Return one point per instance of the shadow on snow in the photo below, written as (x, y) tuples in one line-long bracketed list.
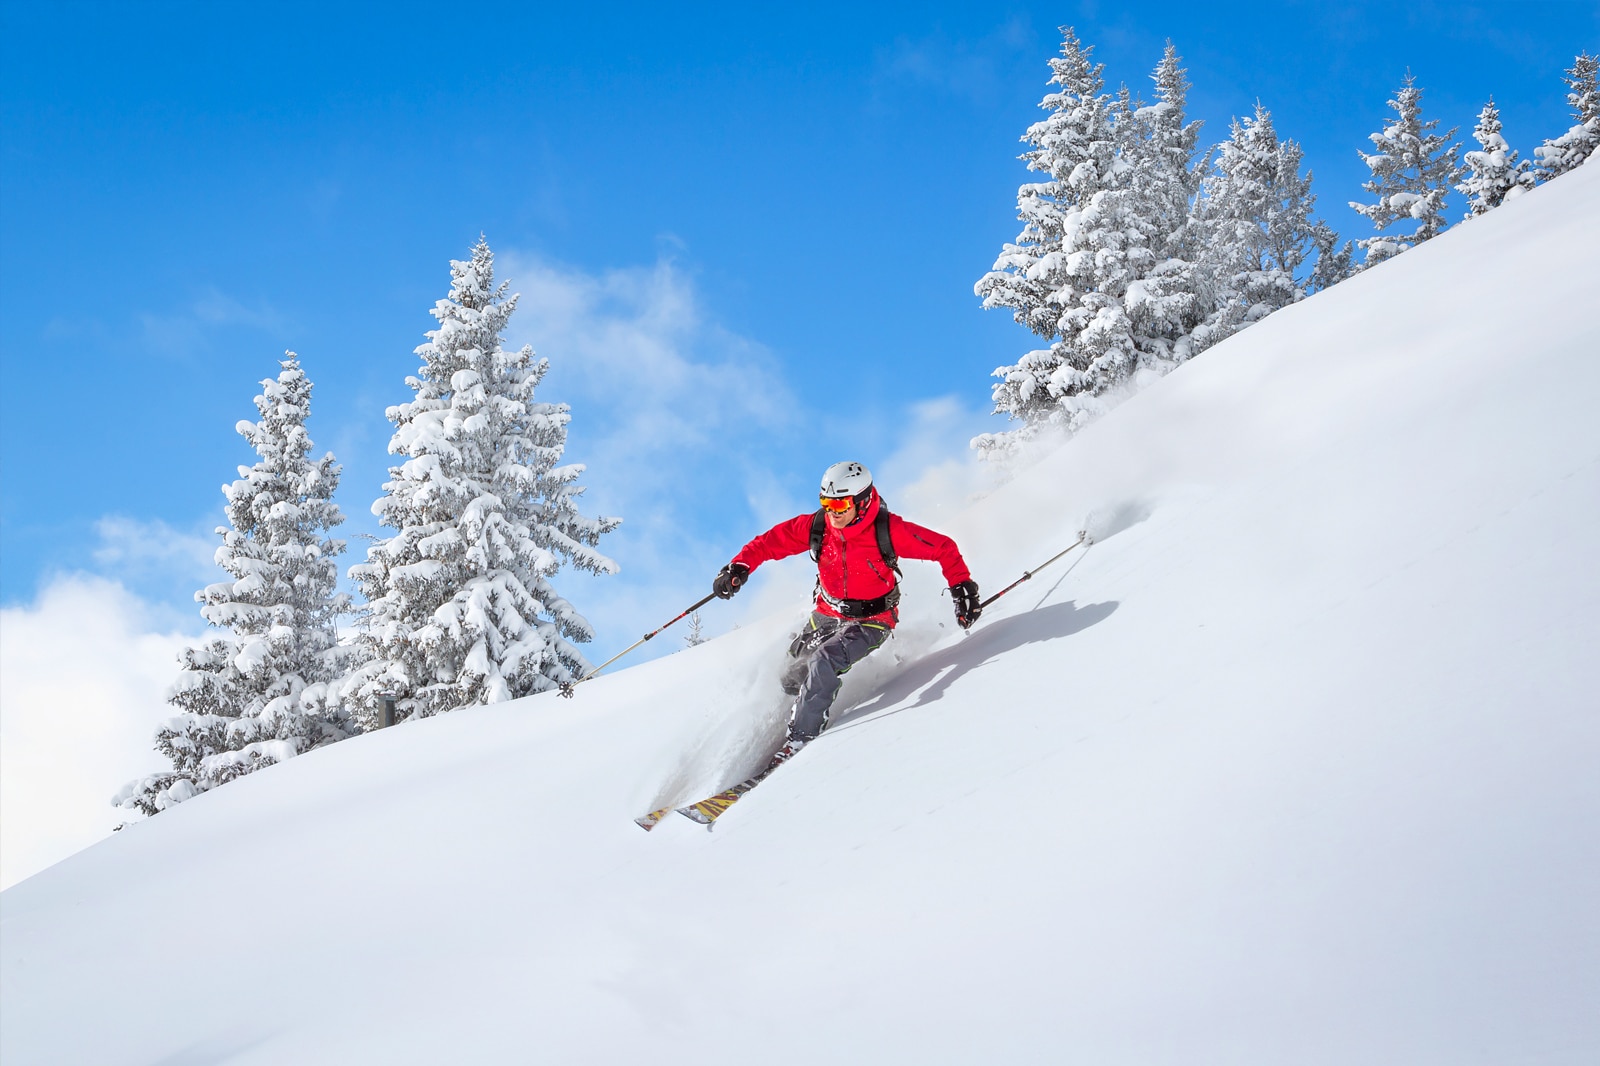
[(929, 678)]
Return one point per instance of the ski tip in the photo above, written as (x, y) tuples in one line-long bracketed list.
[(653, 819)]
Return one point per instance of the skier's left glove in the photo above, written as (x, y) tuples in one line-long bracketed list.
[(965, 596), (729, 580)]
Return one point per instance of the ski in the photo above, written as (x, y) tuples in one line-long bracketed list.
[(707, 811), (653, 819)]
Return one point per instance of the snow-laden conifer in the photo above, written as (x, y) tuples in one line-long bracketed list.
[(1568, 151), (1046, 277), (1258, 230), (1335, 262), (1493, 174), (460, 605), (1413, 169), (261, 694), (1100, 269), (1166, 292)]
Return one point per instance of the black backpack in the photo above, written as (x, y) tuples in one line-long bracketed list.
[(819, 522)]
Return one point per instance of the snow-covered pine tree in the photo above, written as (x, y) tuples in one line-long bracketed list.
[(1335, 262), (1056, 277), (1106, 267), (1255, 218), (460, 606), (1493, 174), (1167, 291), (1568, 151), (1413, 169), (261, 694)]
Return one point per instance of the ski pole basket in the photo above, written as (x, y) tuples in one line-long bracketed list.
[(1083, 538)]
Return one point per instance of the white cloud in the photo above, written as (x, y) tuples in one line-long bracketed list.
[(83, 683), (128, 543), (933, 471), (636, 343), (160, 563), (183, 332)]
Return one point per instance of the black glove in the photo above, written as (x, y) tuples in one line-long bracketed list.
[(728, 580), (966, 597)]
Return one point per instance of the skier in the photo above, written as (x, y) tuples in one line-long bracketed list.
[(856, 543)]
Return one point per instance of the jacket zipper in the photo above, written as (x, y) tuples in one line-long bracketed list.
[(844, 570)]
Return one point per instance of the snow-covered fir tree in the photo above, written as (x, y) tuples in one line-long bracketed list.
[(1102, 268), (460, 605), (1046, 277), (1167, 291), (1568, 151), (1413, 169), (1335, 262), (261, 693), (1258, 232), (1493, 173)]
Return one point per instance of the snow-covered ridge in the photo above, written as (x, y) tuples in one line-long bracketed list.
[(1296, 764)]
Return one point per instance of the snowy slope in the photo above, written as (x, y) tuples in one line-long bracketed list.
[(1297, 764)]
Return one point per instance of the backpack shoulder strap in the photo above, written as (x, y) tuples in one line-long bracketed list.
[(818, 522), (886, 542)]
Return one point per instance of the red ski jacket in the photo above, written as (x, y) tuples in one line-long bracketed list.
[(851, 567)]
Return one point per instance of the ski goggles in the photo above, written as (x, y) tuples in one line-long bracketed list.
[(838, 504)]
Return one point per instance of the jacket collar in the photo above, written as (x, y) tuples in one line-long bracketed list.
[(864, 519)]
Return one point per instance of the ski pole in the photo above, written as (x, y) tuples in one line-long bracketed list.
[(568, 688), (1083, 538)]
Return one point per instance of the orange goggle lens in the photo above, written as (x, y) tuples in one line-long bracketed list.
[(838, 504)]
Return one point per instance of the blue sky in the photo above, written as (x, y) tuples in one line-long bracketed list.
[(746, 241)]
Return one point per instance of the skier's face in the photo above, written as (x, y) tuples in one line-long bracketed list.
[(840, 519)]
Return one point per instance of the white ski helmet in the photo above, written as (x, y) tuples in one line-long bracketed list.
[(847, 479)]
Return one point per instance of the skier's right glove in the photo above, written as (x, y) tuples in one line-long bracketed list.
[(729, 579), (965, 596)]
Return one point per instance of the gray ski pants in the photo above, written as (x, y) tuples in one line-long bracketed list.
[(825, 650)]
